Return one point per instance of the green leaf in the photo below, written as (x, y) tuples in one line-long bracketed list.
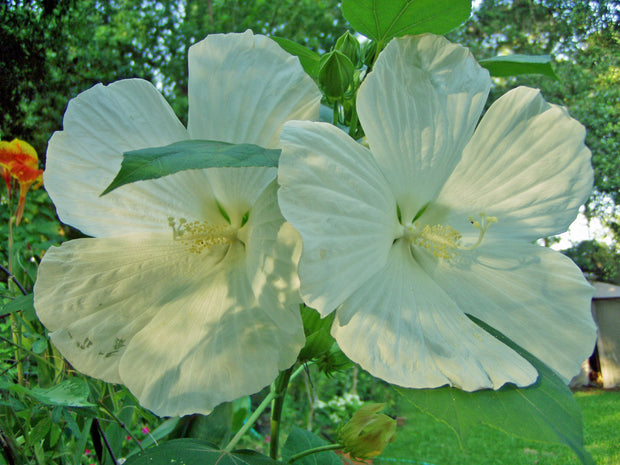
[(194, 451), (309, 59), (155, 162), (71, 392), (382, 20), (24, 303), (300, 440), (512, 65), (544, 412)]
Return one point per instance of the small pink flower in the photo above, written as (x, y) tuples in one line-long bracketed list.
[(146, 430)]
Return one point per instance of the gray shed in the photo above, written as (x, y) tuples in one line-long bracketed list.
[(603, 367)]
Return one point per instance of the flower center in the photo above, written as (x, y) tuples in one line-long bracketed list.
[(200, 235), (443, 241)]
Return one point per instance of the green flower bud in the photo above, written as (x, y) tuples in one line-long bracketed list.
[(348, 44), (369, 52), (335, 74), (367, 433)]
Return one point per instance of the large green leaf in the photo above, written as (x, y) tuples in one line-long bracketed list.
[(300, 440), (383, 19), (194, 451), (512, 65), (545, 411), (309, 59), (155, 162)]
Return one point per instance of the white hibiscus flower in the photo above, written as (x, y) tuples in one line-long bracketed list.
[(436, 221), (188, 292)]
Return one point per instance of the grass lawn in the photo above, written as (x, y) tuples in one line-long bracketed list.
[(426, 441)]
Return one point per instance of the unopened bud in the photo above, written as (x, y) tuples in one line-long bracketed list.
[(368, 432), (348, 44), (335, 74)]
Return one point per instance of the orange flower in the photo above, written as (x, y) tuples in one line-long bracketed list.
[(19, 160)]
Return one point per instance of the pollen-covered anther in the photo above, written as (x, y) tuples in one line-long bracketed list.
[(442, 241), (200, 235)]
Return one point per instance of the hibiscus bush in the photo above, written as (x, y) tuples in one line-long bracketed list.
[(357, 209)]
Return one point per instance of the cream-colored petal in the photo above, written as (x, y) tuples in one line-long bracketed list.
[(211, 346), (273, 249), (183, 331), (526, 164), (90, 293), (402, 327), (99, 125), (419, 107), (334, 194), (535, 296), (243, 87), (236, 189)]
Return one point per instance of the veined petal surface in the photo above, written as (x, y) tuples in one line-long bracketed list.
[(526, 164), (190, 342), (243, 87), (419, 107), (402, 327), (99, 125), (273, 250), (535, 296), (334, 194)]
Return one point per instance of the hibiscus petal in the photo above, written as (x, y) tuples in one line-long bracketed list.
[(210, 346), (243, 87), (535, 296), (402, 327), (99, 125), (418, 109), (182, 330), (526, 164), (334, 194), (236, 189), (273, 249)]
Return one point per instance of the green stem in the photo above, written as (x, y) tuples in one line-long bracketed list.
[(16, 329), (281, 384), (354, 123), (316, 450), (250, 422), (258, 412)]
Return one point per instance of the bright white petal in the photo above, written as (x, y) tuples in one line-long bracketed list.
[(211, 346), (402, 327), (418, 108), (181, 330), (334, 194), (535, 296), (99, 125), (526, 164), (243, 87)]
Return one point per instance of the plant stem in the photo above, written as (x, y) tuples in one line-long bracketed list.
[(250, 422), (259, 410), (16, 330), (281, 384), (316, 450)]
